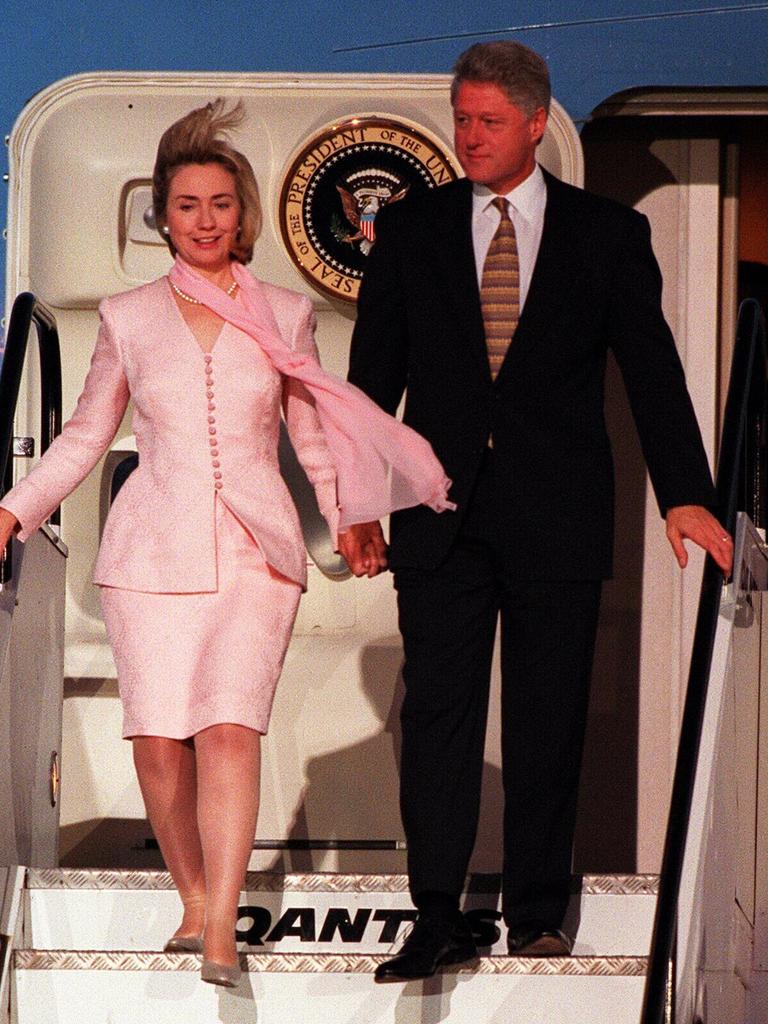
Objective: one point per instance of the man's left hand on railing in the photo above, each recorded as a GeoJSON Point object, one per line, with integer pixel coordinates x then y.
{"type": "Point", "coordinates": [694, 522]}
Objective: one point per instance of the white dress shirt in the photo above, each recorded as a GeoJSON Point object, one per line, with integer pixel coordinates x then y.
{"type": "Point", "coordinates": [526, 210]}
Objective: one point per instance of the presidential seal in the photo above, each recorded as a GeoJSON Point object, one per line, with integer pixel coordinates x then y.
{"type": "Point", "coordinates": [336, 185]}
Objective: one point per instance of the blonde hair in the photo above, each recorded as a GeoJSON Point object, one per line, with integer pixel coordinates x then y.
{"type": "Point", "coordinates": [200, 137]}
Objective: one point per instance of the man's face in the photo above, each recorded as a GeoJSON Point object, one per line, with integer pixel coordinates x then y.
{"type": "Point", "coordinates": [495, 141]}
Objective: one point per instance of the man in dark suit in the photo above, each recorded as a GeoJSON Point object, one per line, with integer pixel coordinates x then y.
{"type": "Point", "coordinates": [492, 303]}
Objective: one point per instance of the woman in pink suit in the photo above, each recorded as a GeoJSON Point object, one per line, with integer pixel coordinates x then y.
{"type": "Point", "coordinates": [202, 563]}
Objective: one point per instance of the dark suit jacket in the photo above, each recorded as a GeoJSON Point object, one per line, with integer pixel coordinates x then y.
{"type": "Point", "coordinates": [596, 285]}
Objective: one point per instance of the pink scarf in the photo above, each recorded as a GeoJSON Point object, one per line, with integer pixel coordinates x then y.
{"type": "Point", "coordinates": [381, 464]}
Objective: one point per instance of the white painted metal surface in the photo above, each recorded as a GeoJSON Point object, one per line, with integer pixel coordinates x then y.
{"type": "Point", "coordinates": [612, 916]}
{"type": "Point", "coordinates": [717, 894]}
{"type": "Point", "coordinates": [108, 923]}
{"type": "Point", "coordinates": [31, 664]}
{"type": "Point", "coordinates": [108, 997]}
{"type": "Point", "coordinates": [758, 993]}
{"type": "Point", "coordinates": [11, 896]}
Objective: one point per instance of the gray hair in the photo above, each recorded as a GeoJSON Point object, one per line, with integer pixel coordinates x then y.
{"type": "Point", "coordinates": [517, 70]}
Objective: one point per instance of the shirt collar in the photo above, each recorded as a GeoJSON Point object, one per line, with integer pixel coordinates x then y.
{"type": "Point", "coordinates": [526, 198]}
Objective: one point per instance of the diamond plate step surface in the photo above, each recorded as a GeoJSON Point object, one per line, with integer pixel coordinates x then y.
{"type": "Point", "coordinates": [312, 913]}
{"type": "Point", "coordinates": [65, 987]}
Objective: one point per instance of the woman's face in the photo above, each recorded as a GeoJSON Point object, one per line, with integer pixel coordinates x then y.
{"type": "Point", "coordinates": [203, 215]}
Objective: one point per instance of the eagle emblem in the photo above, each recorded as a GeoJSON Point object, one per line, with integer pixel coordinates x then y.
{"type": "Point", "coordinates": [363, 194]}
{"type": "Point", "coordinates": [336, 186]}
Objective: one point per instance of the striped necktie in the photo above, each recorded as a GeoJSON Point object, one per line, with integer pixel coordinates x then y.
{"type": "Point", "coordinates": [500, 289]}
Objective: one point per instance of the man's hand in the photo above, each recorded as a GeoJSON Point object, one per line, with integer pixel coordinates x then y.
{"type": "Point", "coordinates": [694, 522]}
{"type": "Point", "coordinates": [364, 549]}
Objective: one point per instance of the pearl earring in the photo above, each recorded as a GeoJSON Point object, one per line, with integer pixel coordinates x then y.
{"type": "Point", "coordinates": [166, 231]}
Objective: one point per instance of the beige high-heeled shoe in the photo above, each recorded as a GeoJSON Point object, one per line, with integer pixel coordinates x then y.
{"type": "Point", "coordinates": [184, 944]}
{"type": "Point", "coordinates": [227, 975]}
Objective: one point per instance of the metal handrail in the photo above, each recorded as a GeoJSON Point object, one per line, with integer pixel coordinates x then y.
{"type": "Point", "coordinates": [740, 487]}
{"type": "Point", "coordinates": [28, 310]}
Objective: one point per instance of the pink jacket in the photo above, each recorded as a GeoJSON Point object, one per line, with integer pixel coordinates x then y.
{"type": "Point", "coordinates": [202, 428]}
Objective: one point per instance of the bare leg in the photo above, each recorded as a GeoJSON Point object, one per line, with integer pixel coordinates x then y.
{"type": "Point", "coordinates": [166, 769]}
{"type": "Point", "coordinates": [228, 768]}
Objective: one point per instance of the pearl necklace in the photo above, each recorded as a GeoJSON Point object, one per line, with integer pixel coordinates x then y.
{"type": "Point", "coordinates": [192, 299]}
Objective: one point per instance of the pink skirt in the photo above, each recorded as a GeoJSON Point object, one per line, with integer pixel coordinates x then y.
{"type": "Point", "coordinates": [189, 661]}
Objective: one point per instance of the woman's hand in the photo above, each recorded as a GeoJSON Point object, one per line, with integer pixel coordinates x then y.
{"type": "Point", "coordinates": [364, 549]}
{"type": "Point", "coordinates": [9, 525]}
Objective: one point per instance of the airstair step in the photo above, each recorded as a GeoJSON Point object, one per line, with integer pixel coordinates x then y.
{"type": "Point", "coordinates": [123, 987]}
{"type": "Point", "coordinates": [313, 913]}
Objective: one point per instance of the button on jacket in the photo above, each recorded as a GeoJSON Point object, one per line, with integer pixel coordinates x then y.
{"type": "Point", "coordinates": [206, 425]}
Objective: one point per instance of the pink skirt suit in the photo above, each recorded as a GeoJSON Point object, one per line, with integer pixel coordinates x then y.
{"type": "Point", "coordinates": [202, 562]}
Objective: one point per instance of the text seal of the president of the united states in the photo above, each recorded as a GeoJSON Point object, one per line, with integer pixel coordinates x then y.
{"type": "Point", "coordinates": [338, 182]}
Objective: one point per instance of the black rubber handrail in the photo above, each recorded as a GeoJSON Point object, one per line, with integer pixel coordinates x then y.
{"type": "Point", "coordinates": [741, 466]}
{"type": "Point", "coordinates": [28, 310]}
{"type": "Point", "coordinates": [740, 487]}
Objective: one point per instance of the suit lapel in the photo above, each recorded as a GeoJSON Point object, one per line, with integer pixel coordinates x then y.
{"type": "Point", "coordinates": [554, 275]}
{"type": "Point", "coordinates": [560, 258]}
{"type": "Point", "coordinates": [455, 257]}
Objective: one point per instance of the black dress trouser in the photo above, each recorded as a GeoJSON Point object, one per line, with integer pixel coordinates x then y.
{"type": "Point", "coordinates": [448, 619]}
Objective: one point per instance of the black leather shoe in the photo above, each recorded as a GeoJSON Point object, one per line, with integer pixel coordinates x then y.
{"type": "Point", "coordinates": [533, 938]}
{"type": "Point", "coordinates": [436, 940]}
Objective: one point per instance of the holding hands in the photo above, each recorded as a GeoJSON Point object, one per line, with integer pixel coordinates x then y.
{"type": "Point", "coordinates": [364, 549]}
